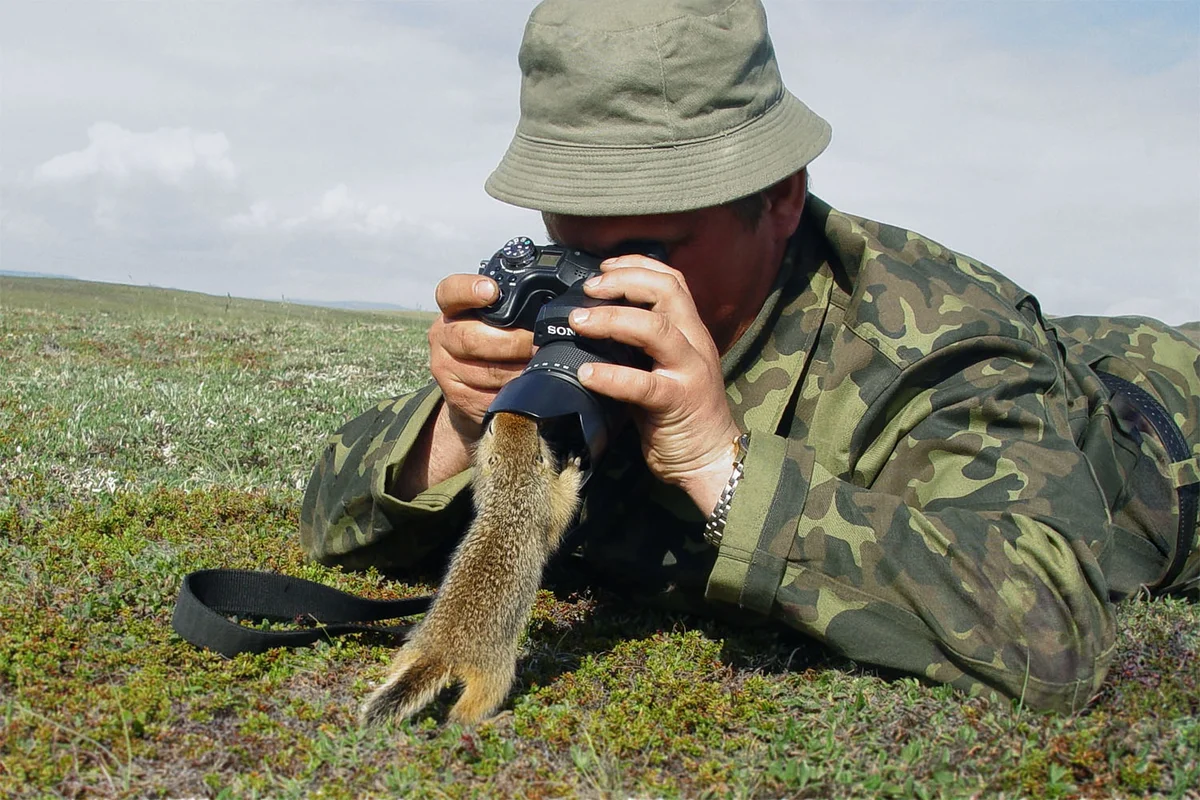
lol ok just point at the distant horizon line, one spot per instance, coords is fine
(351, 305)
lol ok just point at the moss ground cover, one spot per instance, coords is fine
(146, 433)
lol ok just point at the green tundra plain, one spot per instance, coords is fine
(146, 433)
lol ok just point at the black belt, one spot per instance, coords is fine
(1177, 450)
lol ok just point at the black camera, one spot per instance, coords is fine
(539, 287)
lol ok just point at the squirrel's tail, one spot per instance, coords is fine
(416, 679)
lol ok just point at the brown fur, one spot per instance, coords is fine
(523, 505)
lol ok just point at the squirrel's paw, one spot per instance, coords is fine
(572, 468)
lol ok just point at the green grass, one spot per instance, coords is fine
(145, 434)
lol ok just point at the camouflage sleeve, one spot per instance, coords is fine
(962, 547)
(349, 516)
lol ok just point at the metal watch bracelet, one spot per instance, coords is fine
(714, 528)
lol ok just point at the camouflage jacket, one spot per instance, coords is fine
(934, 482)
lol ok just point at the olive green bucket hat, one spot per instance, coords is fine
(651, 106)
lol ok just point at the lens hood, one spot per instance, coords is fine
(578, 417)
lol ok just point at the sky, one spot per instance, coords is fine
(337, 150)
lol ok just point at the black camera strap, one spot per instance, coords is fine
(208, 598)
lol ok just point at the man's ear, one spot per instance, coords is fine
(785, 202)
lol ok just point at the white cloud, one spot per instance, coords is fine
(171, 155)
(260, 217)
(338, 210)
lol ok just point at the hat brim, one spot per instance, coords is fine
(628, 180)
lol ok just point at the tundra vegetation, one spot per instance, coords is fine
(147, 433)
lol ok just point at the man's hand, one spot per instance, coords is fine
(681, 410)
(471, 361)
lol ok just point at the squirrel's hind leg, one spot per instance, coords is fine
(483, 692)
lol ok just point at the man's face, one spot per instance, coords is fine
(728, 264)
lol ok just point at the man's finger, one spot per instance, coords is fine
(456, 294)
(485, 376)
(637, 260)
(664, 292)
(625, 384)
(652, 332)
(641, 284)
(474, 340)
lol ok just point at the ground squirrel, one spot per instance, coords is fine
(524, 502)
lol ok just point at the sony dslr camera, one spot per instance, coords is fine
(539, 287)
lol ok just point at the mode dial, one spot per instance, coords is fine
(518, 253)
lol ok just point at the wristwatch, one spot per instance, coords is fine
(714, 528)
